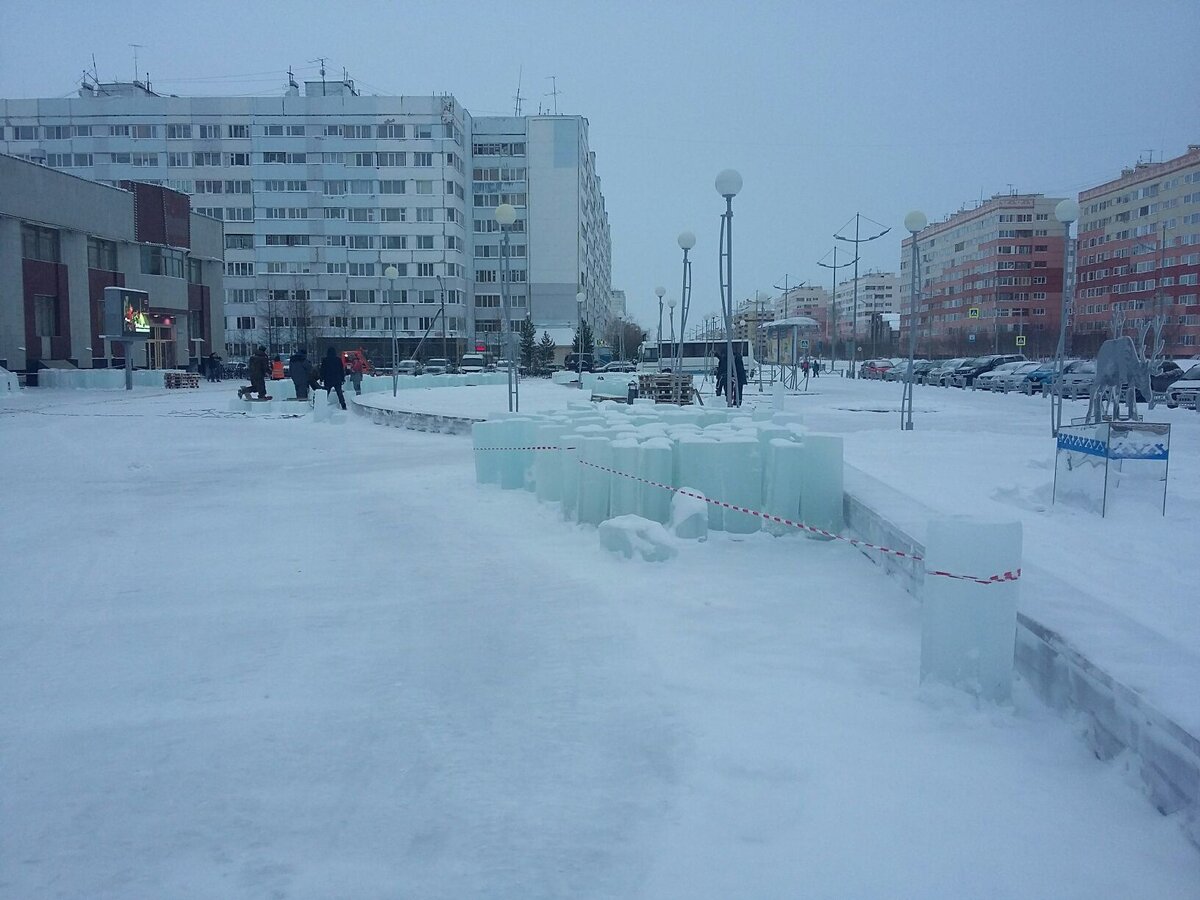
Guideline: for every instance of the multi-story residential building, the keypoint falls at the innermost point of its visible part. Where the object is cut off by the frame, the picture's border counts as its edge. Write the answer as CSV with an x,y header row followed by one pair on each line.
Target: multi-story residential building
x,y
324,191
808,301
748,319
63,239
877,295
990,279
1139,256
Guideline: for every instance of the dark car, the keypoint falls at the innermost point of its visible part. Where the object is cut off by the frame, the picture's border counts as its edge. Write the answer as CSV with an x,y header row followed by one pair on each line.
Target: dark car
x,y
1165,374
573,363
973,368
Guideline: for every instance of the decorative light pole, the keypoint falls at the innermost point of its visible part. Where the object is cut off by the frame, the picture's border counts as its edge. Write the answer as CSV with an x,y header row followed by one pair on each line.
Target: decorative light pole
x,y
833,305
505,216
580,299
856,240
728,183
687,241
660,290
674,346
1066,212
915,222
392,273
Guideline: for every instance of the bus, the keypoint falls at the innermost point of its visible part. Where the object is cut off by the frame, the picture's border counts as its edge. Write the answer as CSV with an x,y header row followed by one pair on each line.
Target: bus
x,y
695,357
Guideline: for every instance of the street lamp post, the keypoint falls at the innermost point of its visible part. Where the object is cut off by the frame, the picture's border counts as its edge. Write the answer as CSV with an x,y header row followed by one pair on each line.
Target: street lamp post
x,y
833,318
660,290
1066,212
856,240
915,222
580,299
505,216
674,346
392,273
686,241
728,183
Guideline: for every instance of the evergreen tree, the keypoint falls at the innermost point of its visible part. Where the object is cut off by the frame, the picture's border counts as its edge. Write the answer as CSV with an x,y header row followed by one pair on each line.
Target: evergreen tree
x,y
528,335
589,342
545,351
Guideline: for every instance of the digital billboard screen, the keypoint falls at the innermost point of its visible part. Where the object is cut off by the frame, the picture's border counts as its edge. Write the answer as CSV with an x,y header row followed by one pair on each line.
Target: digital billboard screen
x,y
135,314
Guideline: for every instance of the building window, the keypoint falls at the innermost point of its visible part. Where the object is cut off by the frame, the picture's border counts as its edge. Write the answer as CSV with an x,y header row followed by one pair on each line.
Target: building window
x,y
179,132
179,160
162,261
424,270
144,159
239,131
102,254
143,131
246,323
209,132
390,131
45,315
424,241
424,187
239,159
39,243
194,271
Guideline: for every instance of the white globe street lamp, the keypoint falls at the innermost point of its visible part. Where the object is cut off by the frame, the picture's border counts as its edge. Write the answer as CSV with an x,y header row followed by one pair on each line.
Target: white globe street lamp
x,y
392,273
686,241
1066,212
728,183
915,222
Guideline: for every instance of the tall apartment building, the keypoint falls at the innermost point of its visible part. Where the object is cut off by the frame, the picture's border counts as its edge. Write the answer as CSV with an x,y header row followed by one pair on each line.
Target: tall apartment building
x,y
322,191
990,280
63,240
1139,255
878,293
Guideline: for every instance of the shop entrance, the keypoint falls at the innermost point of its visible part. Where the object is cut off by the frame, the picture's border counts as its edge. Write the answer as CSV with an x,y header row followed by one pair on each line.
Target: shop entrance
x,y
160,348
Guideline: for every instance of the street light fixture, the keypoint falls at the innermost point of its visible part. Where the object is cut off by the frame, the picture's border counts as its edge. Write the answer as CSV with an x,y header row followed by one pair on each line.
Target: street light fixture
x,y
674,351
392,273
915,222
686,241
856,240
728,183
1066,212
580,299
660,290
505,216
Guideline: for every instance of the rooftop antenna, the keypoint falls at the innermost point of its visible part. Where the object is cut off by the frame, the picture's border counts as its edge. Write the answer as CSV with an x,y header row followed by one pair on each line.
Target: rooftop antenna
x,y
1151,155
292,79
135,47
321,60
1011,192
554,92
517,98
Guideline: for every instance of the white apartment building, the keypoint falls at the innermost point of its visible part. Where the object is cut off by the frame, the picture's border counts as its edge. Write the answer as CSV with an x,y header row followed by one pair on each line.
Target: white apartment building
x,y
321,191
878,293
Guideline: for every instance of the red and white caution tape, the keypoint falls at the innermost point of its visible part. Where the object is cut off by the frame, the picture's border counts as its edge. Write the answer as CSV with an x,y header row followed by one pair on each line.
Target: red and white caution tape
x,y
767,517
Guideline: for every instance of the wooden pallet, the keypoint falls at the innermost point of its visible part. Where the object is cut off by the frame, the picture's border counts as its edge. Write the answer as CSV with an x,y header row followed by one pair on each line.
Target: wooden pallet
x,y
181,380
667,387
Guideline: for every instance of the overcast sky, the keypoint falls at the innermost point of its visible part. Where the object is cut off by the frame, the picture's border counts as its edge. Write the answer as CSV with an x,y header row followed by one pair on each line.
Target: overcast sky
x,y
826,109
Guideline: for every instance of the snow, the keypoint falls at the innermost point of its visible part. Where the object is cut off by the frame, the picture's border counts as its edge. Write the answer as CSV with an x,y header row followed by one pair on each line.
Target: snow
x,y
247,656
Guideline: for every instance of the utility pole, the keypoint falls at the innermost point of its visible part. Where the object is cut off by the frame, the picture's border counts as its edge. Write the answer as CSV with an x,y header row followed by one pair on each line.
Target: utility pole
x,y
856,240
833,303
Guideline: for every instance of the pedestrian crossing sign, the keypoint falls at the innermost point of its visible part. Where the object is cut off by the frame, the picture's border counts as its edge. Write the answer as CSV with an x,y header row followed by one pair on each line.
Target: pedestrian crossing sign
x,y
1020,340
973,312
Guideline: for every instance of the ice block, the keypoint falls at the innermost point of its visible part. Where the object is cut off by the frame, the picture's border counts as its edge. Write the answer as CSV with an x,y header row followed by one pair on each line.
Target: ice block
x,y
623,496
968,630
821,483
654,464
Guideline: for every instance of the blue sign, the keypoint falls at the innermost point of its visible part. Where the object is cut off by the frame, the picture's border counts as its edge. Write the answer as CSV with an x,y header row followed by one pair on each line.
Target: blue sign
x,y
1080,444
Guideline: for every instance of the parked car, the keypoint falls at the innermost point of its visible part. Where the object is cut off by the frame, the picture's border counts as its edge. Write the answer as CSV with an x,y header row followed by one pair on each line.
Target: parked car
x,y
1185,390
1165,374
618,366
573,363
992,379
874,368
409,367
899,369
942,370
966,374
1078,378
437,366
1014,379
472,362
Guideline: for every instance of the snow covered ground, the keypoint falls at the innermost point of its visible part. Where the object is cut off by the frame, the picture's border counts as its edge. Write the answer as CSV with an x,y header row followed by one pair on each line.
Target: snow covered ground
x,y
259,656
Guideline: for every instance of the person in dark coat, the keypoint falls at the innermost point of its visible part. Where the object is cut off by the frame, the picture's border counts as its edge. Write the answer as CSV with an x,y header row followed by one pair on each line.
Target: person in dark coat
x,y
301,372
739,369
720,370
257,371
333,375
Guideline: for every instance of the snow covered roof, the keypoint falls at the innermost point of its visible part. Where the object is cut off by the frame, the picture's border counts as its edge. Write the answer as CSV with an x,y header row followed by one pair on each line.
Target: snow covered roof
x,y
801,322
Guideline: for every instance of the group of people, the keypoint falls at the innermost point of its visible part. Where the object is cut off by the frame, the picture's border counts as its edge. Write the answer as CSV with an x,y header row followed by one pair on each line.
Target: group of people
x,y
331,374
814,368
739,375
210,367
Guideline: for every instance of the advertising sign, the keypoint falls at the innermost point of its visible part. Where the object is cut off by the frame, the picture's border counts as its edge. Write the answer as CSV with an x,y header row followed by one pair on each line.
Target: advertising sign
x,y
126,314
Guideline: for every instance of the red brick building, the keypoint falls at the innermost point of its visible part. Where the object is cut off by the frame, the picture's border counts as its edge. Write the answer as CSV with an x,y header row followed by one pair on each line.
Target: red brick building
x,y
1139,255
991,280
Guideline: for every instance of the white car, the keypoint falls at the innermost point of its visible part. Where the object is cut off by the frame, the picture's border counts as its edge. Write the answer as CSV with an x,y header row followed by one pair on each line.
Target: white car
x,y
472,362
437,366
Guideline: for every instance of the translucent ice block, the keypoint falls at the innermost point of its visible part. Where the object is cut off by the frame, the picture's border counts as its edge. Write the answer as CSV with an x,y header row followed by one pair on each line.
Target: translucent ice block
x,y
623,497
547,469
487,463
968,630
654,464
594,483
697,463
821,483
568,470
784,467
741,478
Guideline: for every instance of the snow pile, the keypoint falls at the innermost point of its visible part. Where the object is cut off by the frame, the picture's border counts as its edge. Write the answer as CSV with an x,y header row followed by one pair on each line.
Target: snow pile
x,y
689,514
628,535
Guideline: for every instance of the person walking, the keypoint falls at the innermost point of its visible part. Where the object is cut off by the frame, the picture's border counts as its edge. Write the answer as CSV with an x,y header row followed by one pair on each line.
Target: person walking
x,y
333,375
816,367
804,368
258,369
739,368
300,370
721,371
356,373
214,367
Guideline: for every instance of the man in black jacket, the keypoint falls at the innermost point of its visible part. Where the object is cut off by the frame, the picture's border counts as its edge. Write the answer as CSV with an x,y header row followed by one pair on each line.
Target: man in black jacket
x,y
301,371
333,375
257,370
